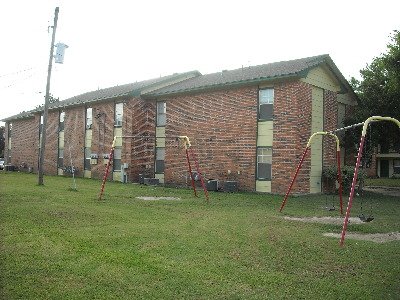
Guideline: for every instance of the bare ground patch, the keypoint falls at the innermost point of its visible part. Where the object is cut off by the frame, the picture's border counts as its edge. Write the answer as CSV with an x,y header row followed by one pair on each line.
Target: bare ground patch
x,y
158,198
373,237
326,220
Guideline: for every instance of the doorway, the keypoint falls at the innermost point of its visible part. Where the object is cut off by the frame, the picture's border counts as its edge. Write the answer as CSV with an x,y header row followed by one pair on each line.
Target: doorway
x,y
384,172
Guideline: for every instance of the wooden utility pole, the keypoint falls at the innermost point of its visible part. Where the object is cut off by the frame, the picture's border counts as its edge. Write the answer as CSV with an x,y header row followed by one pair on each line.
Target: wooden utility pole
x,y
46,102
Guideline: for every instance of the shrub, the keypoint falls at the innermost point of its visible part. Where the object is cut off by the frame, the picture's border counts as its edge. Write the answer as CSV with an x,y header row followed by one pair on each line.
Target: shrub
x,y
329,176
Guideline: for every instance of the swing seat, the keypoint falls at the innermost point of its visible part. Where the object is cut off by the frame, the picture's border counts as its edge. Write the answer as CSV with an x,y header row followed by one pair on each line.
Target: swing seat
x,y
366,218
330,208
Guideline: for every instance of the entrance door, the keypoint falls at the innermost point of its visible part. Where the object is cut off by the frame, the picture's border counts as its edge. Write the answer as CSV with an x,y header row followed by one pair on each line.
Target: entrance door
x,y
384,168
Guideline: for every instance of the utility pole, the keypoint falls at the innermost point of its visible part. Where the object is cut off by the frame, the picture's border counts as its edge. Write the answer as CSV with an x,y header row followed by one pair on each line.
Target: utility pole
x,y
46,102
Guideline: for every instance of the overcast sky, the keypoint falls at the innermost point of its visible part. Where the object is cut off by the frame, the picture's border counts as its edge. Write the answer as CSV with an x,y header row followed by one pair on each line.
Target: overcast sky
x,y
117,42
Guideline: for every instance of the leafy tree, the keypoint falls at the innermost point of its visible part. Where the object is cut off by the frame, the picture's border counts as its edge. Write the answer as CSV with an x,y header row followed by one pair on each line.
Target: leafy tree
x,y
379,94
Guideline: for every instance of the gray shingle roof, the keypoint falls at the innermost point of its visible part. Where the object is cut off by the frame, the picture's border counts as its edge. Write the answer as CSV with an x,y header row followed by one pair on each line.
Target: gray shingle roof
x,y
129,89
283,69
22,115
197,82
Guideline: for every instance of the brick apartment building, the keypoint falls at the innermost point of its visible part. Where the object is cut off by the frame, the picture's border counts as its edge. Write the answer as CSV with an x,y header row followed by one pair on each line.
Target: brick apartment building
x,y
249,125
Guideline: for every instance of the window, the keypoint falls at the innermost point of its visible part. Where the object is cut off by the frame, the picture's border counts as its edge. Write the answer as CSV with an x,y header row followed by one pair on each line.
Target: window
x,y
119,109
160,157
60,161
9,130
9,143
266,103
41,124
9,156
161,113
89,118
396,166
264,163
86,164
61,123
117,159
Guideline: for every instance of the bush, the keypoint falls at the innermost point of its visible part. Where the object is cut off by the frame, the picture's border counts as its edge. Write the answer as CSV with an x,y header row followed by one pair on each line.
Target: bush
x,y
329,176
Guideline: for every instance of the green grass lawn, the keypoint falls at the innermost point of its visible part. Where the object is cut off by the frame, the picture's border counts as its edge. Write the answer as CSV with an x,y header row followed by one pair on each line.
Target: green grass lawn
x,y
61,244
390,182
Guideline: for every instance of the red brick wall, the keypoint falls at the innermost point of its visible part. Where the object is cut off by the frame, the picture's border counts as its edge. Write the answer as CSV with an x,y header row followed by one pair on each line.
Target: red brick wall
x,y
74,138
330,123
138,152
51,148
102,134
292,129
139,121
24,142
372,171
350,154
222,127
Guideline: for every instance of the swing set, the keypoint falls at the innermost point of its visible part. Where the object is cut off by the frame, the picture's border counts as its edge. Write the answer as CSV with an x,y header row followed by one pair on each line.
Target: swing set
x,y
359,155
190,155
365,125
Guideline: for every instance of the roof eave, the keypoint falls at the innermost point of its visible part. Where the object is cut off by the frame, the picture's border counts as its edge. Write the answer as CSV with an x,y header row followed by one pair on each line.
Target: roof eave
x,y
151,96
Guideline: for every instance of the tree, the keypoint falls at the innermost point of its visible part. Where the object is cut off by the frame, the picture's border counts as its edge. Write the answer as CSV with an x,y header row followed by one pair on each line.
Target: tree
x,y
379,93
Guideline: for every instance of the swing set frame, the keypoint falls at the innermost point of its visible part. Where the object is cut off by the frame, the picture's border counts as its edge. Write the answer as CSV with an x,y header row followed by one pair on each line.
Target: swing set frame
x,y
359,156
308,147
358,161
184,141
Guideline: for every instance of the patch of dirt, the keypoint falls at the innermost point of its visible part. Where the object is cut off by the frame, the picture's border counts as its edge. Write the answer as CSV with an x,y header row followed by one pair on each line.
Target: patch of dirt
x,y
326,220
373,237
158,198
390,191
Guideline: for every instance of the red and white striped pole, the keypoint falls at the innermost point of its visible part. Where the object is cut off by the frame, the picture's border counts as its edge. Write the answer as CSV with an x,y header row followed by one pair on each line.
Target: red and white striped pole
x,y
353,184
190,172
107,168
308,147
199,172
294,178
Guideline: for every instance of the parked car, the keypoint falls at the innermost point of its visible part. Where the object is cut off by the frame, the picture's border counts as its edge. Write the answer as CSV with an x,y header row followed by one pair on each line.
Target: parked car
x,y
1,164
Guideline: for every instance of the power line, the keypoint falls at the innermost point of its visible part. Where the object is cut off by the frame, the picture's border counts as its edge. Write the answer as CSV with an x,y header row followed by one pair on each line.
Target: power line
x,y
17,72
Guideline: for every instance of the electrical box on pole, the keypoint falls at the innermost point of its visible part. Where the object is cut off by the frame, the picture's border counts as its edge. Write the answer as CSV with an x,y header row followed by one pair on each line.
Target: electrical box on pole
x,y
59,57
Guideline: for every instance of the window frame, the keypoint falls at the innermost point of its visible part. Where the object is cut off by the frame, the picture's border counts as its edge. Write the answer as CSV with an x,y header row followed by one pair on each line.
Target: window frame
x,y
118,118
161,117
41,125
396,168
87,156
61,122
117,159
60,159
268,148
9,156
269,103
159,164
9,134
89,120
